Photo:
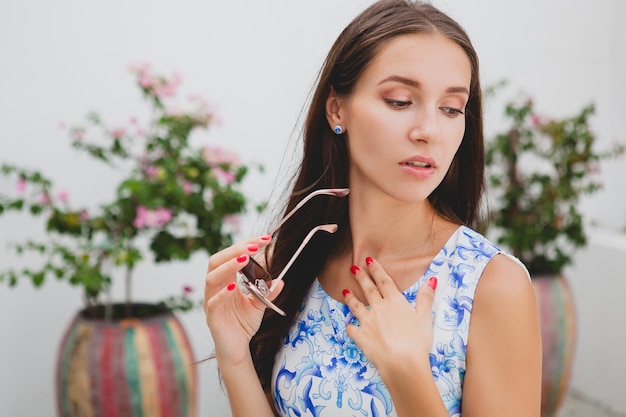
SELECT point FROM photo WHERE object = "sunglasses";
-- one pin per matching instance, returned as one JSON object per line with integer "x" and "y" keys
{"x": 254, "y": 278}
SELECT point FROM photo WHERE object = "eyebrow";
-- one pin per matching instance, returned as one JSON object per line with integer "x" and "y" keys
{"x": 412, "y": 83}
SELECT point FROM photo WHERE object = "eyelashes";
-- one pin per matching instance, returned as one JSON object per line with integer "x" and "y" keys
{"x": 403, "y": 104}
{"x": 398, "y": 104}
{"x": 452, "y": 111}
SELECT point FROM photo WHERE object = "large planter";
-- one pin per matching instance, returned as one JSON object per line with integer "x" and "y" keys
{"x": 126, "y": 367}
{"x": 558, "y": 333}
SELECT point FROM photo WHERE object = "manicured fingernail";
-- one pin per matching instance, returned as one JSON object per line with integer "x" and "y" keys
{"x": 253, "y": 247}
{"x": 432, "y": 282}
{"x": 354, "y": 269}
{"x": 266, "y": 237}
{"x": 369, "y": 261}
{"x": 231, "y": 286}
{"x": 242, "y": 258}
{"x": 345, "y": 292}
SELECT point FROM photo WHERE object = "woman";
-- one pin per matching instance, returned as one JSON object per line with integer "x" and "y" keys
{"x": 404, "y": 310}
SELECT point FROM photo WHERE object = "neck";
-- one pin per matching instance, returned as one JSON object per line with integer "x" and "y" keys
{"x": 391, "y": 230}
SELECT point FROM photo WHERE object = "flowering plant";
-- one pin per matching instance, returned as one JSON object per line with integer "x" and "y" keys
{"x": 175, "y": 198}
{"x": 538, "y": 168}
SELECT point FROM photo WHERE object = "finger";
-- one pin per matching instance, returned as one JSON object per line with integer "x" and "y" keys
{"x": 250, "y": 246}
{"x": 385, "y": 285}
{"x": 369, "y": 287}
{"x": 358, "y": 310}
{"x": 226, "y": 272}
{"x": 356, "y": 307}
{"x": 217, "y": 301}
{"x": 425, "y": 297}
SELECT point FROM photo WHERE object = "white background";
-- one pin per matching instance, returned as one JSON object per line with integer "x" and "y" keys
{"x": 256, "y": 62}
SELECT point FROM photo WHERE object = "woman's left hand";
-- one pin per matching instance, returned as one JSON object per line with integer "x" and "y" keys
{"x": 391, "y": 333}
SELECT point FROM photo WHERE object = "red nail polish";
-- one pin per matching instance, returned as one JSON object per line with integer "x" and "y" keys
{"x": 253, "y": 247}
{"x": 432, "y": 282}
{"x": 354, "y": 269}
{"x": 266, "y": 237}
{"x": 369, "y": 261}
{"x": 345, "y": 292}
{"x": 231, "y": 286}
{"x": 242, "y": 258}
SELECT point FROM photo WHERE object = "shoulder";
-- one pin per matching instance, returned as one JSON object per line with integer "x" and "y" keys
{"x": 504, "y": 312}
{"x": 504, "y": 279}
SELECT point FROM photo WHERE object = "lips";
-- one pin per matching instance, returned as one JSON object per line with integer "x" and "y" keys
{"x": 419, "y": 162}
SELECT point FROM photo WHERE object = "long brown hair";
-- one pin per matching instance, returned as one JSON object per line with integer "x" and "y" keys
{"x": 325, "y": 161}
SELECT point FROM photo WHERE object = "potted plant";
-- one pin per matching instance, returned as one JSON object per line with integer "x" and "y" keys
{"x": 538, "y": 169}
{"x": 173, "y": 200}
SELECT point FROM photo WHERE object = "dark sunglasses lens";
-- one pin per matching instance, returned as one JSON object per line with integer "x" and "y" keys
{"x": 253, "y": 271}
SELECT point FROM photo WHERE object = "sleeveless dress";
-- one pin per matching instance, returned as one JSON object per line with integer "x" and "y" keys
{"x": 320, "y": 372}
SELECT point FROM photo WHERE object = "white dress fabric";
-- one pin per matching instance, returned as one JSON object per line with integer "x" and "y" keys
{"x": 320, "y": 372}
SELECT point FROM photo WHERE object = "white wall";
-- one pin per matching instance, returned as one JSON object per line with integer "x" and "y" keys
{"x": 256, "y": 62}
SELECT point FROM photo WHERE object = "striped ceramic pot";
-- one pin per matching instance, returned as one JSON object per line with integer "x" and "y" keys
{"x": 126, "y": 367}
{"x": 558, "y": 334}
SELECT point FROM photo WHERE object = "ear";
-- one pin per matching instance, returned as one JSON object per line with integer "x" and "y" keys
{"x": 335, "y": 111}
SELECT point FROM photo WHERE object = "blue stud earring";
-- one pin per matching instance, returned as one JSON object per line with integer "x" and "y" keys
{"x": 338, "y": 130}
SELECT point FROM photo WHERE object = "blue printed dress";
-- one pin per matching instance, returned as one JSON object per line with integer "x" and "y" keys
{"x": 320, "y": 372}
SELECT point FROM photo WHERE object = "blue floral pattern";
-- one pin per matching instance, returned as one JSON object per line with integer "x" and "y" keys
{"x": 321, "y": 372}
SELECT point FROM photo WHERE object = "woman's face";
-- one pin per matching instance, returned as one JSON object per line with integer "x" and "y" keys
{"x": 405, "y": 118}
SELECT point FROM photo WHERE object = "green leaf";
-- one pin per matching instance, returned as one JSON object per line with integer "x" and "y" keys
{"x": 38, "y": 278}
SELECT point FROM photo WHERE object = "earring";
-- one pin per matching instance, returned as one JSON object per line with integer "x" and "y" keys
{"x": 338, "y": 130}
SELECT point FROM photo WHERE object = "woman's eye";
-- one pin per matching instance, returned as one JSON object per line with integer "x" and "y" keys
{"x": 398, "y": 104}
{"x": 451, "y": 111}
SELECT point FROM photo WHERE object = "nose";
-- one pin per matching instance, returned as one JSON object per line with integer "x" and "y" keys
{"x": 425, "y": 127}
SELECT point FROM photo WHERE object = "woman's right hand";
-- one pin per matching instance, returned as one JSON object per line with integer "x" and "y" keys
{"x": 232, "y": 316}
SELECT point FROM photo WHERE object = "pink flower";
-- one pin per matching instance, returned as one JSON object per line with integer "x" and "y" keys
{"x": 152, "y": 171}
{"x": 62, "y": 125}
{"x": 20, "y": 186}
{"x": 63, "y": 196}
{"x": 147, "y": 81}
{"x": 187, "y": 289}
{"x": 118, "y": 133}
{"x": 44, "y": 199}
{"x": 167, "y": 88}
{"x": 214, "y": 155}
{"x": 83, "y": 215}
{"x": 536, "y": 120}
{"x": 187, "y": 187}
{"x": 77, "y": 134}
{"x": 152, "y": 218}
{"x": 139, "y": 68}
{"x": 226, "y": 177}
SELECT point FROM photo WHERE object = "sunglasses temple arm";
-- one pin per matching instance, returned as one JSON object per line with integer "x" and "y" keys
{"x": 330, "y": 228}
{"x": 338, "y": 192}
